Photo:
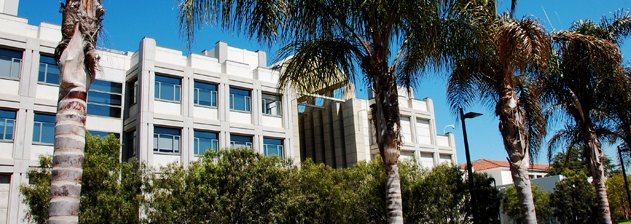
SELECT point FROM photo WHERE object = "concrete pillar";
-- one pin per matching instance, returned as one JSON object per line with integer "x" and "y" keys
{"x": 221, "y": 51}
{"x": 262, "y": 58}
{"x": 9, "y": 7}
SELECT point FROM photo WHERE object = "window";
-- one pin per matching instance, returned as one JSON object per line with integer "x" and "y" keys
{"x": 132, "y": 89}
{"x": 205, "y": 94}
{"x": 240, "y": 100}
{"x": 273, "y": 146}
{"x": 103, "y": 134}
{"x": 203, "y": 141}
{"x": 105, "y": 99}
{"x": 272, "y": 105}
{"x": 48, "y": 70}
{"x": 7, "y": 123}
{"x": 129, "y": 144}
{"x": 166, "y": 140}
{"x": 167, "y": 88}
{"x": 10, "y": 62}
{"x": 44, "y": 129}
{"x": 240, "y": 141}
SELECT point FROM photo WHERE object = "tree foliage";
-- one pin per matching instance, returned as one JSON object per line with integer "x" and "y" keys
{"x": 619, "y": 202}
{"x": 573, "y": 199}
{"x": 241, "y": 186}
{"x": 510, "y": 204}
{"x": 111, "y": 191}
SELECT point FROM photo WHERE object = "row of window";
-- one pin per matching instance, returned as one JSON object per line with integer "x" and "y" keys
{"x": 43, "y": 128}
{"x": 205, "y": 95}
{"x": 165, "y": 140}
{"x": 168, "y": 140}
{"x": 11, "y": 63}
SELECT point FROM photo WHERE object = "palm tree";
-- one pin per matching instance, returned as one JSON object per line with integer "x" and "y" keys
{"x": 500, "y": 73}
{"x": 619, "y": 106}
{"x": 77, "y": 59}
{"x": 588, "y": 73}
{"x": 390, "y": 42}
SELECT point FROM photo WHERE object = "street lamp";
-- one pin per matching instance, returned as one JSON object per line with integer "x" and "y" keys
{"x": 474, "y": 201}
{"x": 624, "y": 172}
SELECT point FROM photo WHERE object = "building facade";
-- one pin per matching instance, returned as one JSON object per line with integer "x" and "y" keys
{"x": 167, "y": 107}
{"x": 338, "y": 130}
{"x": 500, "y": 170}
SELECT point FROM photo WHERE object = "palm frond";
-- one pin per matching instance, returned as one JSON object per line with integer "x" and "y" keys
{"x": 318, "y": 64}
{"x": 262, "y": 20}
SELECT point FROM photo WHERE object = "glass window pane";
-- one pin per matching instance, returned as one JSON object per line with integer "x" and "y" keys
{"x": 9, "y": 129}
{"x": 36, "y": 130}
{"x": 177, "y": 93}
{"x": 42, "y": 73}
{"x": 7, "y": 114}
{"x": 166, "y": 92}
{"x": 48, "y": 133}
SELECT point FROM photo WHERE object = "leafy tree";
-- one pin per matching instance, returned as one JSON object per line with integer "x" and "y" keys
{"x": 587, "y": 72}
{"x": 78, "y": 61}
{"x": 510, "y": 204}
{"x": 574, "y": 161}
{"x": 489, "y": 199}
{"x": 619, "y": 202}
{"x": 570, "y": 160}
{"x": 573, "y": 199}
{"x": 235, "y": 186}
{"x": 111, "y": 190}
{"x": 390, "y": 42}
{"x": 438, "y": 196}
{"x": 500, "y": 72}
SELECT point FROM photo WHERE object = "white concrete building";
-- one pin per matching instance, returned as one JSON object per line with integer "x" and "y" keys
{"x": 167, "y": 107}
{"x": 338, "y": 130}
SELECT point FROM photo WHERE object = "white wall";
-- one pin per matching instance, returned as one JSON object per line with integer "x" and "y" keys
{"x": 10, "y": 87}
{"x": 406, "y": 130}
{"x": 6, "y": 150}
{"x": 427, "y": 160}
{"x": 240, "y": 117}
{"x": 160, "y": 160}
{"x": 162, "y": 107}
{"x": 205, "y": 113}
{"x": 105, "y": 124}
{"x": 271, "y": 121}
{"x": 5, "y": 190}
{"x": 423, "y": 134}
{"x": 41, "y": 150}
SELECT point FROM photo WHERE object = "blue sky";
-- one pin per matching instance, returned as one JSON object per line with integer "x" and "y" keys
{"x": 127, "y": 22}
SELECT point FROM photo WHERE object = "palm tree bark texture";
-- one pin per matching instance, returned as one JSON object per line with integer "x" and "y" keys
{"x": 515, "y": 137}
{"x": 596, "y": 158}
{"x": 77, "y": 59}
{"x": 387, "y": 123}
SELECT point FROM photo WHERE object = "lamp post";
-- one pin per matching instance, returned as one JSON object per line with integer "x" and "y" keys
{"x": 624, "y": 172}
{"x": 474, "y": 201}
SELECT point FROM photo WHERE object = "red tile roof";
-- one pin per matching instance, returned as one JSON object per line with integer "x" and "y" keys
{"x": 485, "y": 164}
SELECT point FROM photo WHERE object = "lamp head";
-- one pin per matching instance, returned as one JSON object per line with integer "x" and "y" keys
{"x": 471, "y": 115}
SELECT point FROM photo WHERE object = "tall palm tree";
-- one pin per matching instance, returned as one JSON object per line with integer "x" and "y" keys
{"x": 587, "y": 75}
{"x": 77, "y": 59}
{"x": 390, "y": 42}
{"x": 500, "y": 73}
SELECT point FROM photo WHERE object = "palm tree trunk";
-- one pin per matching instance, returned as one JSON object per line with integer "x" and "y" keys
{"x": 77, "y": 61}
{"x": 387, "y": 123}
{"x": 515, "y": 136}
{"x": 597, "y": 169}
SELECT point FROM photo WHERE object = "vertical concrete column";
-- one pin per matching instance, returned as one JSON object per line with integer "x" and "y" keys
{"x": 338, "y": 135}
{"x": 262, "y": 58}
{"x": 308, "y": 137}
{"x": 186, "y": 140}
{"x": 29, "y": 71}
{"x": 452, "y": 145}
{"x": 256, "y": 114}
{"x": 23, "y": 136}
{"x": 221, "y": 51}
{"x": 187, "y": 91}
{"x": 258, "y": 143}
{"x": 329, "y": 153}
{"x": 145, "y": 101}
{"x": 223, "y": 101}
{"x": 432, "y": 121}
{"x": 10, "y": 7}
{"x": 317, "y": 136}
{"x": 14, "y": 197}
